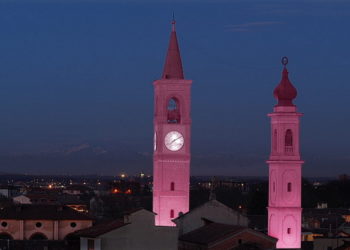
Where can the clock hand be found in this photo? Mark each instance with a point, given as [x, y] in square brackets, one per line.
[176, 139]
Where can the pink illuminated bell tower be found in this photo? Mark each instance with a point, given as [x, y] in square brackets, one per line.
[284, 210]
[172, 137]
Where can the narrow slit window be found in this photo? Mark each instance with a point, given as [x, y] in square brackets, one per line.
[289, 230]
[274, 141]
[289, 187]
[172, 186]
[172, 213]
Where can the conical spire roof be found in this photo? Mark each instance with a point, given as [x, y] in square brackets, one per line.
[173, 64]
[285, 92]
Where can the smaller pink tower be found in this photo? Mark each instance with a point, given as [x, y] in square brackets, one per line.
[172, 138]
[284, 209]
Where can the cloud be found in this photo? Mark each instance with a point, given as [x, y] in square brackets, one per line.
[249, 26]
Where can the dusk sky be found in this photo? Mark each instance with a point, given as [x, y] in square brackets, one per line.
[76, 79]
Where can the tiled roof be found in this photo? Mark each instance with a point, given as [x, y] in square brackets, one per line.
[40, 196]
[68, 199]
[322, 211]
[136, 210]
[210, 203]
[100, 229]
[345, 246]
[77, 187]
[214, 232]
[41, 212]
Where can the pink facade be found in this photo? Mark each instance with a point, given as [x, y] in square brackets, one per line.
[172, 139]
[284, 209]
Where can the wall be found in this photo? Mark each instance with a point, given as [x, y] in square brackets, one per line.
[53, 230]
[214, 211]
[65, 228]
[141, 234]
[12, 228]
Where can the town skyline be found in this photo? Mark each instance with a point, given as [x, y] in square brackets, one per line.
[72, 85]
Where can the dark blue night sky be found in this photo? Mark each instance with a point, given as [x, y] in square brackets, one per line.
[76, 82]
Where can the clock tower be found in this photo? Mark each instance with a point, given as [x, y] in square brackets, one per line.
[172, 138]
[284, 210]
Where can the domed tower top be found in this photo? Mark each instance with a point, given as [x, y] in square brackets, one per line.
[173, 64]
[285, 92]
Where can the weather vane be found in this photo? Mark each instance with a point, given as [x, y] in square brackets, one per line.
[284, 61]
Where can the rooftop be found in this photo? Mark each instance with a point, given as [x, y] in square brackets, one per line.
[100, 229]
[41, 212]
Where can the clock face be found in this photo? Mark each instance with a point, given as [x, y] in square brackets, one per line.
[155, 141]
[174, 141]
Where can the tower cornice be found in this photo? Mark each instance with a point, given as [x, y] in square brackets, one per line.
[172, 82]
[285, 162]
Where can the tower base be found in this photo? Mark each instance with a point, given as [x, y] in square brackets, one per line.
[285, 225]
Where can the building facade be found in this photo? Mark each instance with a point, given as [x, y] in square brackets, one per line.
[136, 231]
[284, 208]
[40, 222]
[172, 139]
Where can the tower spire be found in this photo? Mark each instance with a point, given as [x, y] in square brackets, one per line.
[285, 92]
[173, 64]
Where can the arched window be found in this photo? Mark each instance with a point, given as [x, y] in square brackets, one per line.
[274, 141]
[38, 236]
[172, 186]
[172, 213]
[173, 109]
[288, 141]
[5, 236]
